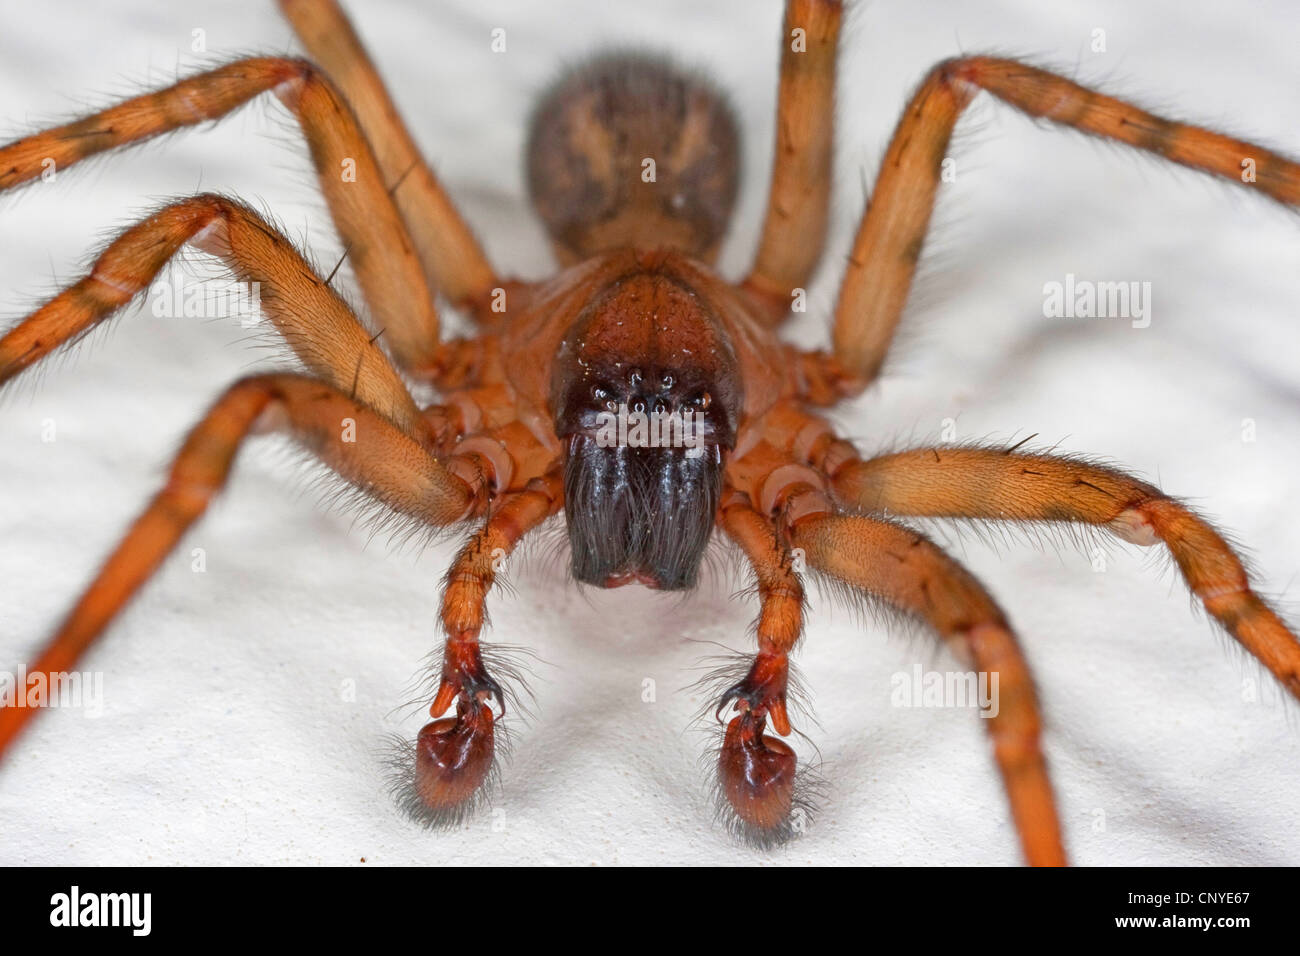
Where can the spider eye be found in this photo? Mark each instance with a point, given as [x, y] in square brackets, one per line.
[599, 393]
[636, 376]
[667, 381]
[702, 401]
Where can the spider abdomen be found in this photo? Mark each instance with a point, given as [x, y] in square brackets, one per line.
[625, 150]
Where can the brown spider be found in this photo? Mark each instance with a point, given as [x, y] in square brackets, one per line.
[632, 168]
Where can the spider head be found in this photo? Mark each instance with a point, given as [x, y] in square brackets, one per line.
[646, 393]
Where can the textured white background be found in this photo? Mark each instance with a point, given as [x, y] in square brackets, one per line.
[225, 736]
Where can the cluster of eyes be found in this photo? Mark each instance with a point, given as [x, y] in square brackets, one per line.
[605, 393]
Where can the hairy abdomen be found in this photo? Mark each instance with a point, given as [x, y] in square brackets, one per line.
[626, 150]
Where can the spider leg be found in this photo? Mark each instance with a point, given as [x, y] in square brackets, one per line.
[757, 772]
[311, 316]
[888, 243]
[360, 444]
[990, 483]
[794, 230]
[453, 260]
[906, 570]
[372, 230]
[787, 474]
[769, 485]
[453, 755]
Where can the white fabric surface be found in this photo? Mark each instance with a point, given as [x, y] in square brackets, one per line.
[226, 736]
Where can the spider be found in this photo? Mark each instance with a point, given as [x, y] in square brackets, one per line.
[636, 315]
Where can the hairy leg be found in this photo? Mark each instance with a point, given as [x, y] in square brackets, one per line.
[758, 772]
[453, 755]
[453, 260]
[906, 570]
[361, 445]
[372, 230]
[313, 319]
[888, 244]
[794, 231]
[990, 483]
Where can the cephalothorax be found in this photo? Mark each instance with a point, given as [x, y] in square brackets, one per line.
[638, 391]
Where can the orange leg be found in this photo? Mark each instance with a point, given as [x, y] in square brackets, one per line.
[453, 755]
[757, 772]
[361, 445]
[906, 570]
[888, 244]
[794, 231]
[311, 316]
[453, 260]
[989, 483]
[372, 229]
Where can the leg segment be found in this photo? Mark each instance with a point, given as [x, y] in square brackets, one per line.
[452, 258]
[989, 483]
[454, 755]
[311, 316]
[372, 454]
[906, 570]
[758, 772]
[794, 231]
[888, 244]
[372, 230]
